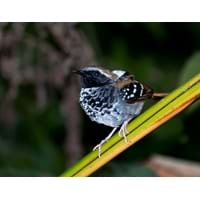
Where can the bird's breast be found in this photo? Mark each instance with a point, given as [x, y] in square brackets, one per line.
[104, 106]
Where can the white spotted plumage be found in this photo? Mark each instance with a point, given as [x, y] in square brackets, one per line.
[108, 100]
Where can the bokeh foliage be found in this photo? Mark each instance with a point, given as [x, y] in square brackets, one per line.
[163, 55]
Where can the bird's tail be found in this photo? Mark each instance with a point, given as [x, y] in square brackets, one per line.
[157, 95]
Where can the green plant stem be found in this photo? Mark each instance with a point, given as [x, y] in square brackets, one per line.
[144, 124]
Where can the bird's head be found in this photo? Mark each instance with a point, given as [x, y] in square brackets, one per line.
[93, 76]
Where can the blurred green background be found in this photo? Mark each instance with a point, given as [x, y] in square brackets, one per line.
[43, 131]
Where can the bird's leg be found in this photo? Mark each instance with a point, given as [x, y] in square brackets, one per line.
[123, 130]
[98, 146]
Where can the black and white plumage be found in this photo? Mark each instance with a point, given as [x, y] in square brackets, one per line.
[111, 98]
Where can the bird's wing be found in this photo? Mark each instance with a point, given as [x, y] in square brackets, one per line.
[132, 91]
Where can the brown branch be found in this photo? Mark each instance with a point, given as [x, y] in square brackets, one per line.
[168, 166]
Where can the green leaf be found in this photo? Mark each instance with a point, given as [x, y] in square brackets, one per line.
[191, 67]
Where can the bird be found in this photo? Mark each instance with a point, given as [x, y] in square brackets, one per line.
[112, 98]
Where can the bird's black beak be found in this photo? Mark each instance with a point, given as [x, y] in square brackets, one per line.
[76, 72]
[79, 72]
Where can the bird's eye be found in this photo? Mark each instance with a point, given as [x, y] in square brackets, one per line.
[96, 73]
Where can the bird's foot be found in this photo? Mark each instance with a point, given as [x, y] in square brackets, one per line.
[123, 130]
[98, 146]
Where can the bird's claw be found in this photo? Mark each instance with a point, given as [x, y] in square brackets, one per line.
[98, 146]
[123, 131]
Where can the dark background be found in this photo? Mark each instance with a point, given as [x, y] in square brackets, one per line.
[43, 131]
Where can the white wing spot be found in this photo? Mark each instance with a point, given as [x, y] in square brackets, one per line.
[141, 90]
